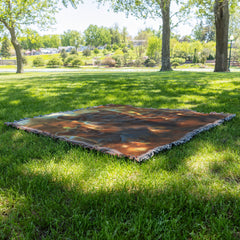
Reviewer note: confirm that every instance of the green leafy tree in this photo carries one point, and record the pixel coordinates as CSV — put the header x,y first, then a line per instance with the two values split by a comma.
x,y
16,15
124,35
154,48
5,49
63,54
144,9
205,32
72,38
23,42
74,3
234,26
144,34
115,35
46,41
51,41
86,52
220,10
97,36
181,50
74,52
33,39
96,51
55,41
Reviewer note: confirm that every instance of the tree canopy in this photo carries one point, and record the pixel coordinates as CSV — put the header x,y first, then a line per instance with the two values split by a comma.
x,y
5,49
71,38
97,36
22,13
234,25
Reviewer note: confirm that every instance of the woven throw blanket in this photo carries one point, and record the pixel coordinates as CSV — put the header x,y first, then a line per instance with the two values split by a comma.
x,y
122,130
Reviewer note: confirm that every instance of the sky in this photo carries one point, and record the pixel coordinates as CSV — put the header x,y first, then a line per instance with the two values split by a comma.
x,y
88,13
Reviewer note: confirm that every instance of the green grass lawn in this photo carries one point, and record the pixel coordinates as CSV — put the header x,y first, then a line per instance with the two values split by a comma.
x,y
53,190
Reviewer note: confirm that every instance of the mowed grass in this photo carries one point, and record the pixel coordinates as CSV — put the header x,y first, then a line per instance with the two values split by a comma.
x,y
53,190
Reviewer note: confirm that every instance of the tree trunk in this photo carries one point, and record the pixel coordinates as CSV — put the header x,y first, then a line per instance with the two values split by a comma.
x,y
221,12
165,8
17,48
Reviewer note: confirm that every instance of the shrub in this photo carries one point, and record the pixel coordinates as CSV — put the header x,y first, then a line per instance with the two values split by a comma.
x,y
125,50
126,59
97,62
96,50
138,62
63,54
38,62
131,46
115,46
195,56
76,62
150,62
178,60
195,59
180,54
236,54
105,52
73,61
130,63
154,48
74,51
109,61
211,57
118,52
86,52
54,62
119,60
68,60
203,59
122,45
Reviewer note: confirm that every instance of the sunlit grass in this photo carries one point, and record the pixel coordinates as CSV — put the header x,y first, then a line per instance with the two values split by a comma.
x,y
53,190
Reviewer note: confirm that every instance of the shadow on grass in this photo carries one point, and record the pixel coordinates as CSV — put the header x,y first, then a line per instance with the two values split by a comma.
x,y
70,91
48,207
112,198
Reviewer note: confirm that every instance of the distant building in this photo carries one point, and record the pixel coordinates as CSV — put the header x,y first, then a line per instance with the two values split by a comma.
x,y
82,48
48,50
67,48
102,47
33,52
137,43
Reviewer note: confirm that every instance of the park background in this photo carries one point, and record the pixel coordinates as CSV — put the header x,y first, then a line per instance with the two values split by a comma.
x,y
95,36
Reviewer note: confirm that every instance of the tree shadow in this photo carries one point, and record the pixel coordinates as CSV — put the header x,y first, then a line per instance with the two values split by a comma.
x,y
50,209
71,91
162,198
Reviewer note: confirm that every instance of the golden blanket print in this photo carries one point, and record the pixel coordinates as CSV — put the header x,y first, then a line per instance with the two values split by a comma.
x,y
123,130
